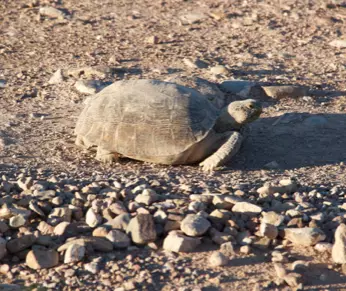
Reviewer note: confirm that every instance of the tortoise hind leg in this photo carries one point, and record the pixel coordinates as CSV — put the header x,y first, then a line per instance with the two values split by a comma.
x,y
83,142
106,156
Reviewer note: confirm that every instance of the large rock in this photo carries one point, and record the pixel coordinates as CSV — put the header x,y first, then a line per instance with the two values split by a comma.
x,y
142,229
3,250
97,243
180,243
93,219
307,236
195,225
18,244
41,259
247,208
118,238
339,247
74,253
120,222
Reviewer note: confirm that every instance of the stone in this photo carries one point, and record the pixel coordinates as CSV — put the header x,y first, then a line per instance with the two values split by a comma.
x,y
176,242
194,225
280,270
307,236
56,78
293,279
66,229
17,221
235,86
219,70
87,86
119,239
97,243
93,219
147,197
120,222
52,12
247,208
18,244
227,249
60,214
3,250
74,253
338,43
281,91
192,17
45,228
218,259
42,259
220,237
339,247
100,231
273,218
25,183
323,247
300,266
268,230
142,229
92,267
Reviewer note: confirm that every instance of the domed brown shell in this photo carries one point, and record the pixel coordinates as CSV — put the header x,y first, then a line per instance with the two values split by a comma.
x,y
141,119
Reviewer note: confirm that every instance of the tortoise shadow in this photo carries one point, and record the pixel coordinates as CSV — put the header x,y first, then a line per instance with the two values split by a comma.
x,y
294,140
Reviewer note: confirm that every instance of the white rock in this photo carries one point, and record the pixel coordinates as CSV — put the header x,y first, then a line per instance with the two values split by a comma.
x,y
192,17
147,197
339,247
247,208
52,12
93,219
324,247
269,230
219,70
180,243
56,78
74,253
307,236
339,43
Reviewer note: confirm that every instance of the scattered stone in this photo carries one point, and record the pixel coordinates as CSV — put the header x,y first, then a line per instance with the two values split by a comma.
x,y
56,78
74,253
339,247
235,86
52,12
278,92
119,239
147,197
280,270
176,242
218,259
92,219
324,247
338,43
269,230
42,259
247,208
245,250
227,249
96,243
100,231
17,221
93,267
192,17
300,266
142,229
152,39
307,236
25,183
273,218
87,86
194,225
219,70
293,279
120,222
18,244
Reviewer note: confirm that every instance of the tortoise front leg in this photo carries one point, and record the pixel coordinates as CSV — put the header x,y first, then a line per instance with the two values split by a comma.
x,y
225,152
106,156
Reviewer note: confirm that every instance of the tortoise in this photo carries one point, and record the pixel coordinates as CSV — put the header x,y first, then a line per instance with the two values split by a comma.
x,y
162,122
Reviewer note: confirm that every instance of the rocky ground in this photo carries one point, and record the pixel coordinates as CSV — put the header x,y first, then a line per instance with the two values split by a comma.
x,y
271,220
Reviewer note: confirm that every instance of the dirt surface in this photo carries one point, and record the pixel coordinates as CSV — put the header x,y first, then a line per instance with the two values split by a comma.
x,y
268,42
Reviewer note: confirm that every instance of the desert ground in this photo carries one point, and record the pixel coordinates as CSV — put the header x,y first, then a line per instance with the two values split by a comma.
x,y
58,203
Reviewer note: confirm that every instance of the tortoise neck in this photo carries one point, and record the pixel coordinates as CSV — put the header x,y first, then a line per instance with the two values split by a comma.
x,y
225,122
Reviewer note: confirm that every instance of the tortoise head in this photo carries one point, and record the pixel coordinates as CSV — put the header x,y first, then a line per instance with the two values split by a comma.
x,y
245,111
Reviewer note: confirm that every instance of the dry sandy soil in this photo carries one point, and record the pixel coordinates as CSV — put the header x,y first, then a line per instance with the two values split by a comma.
x,y
269,42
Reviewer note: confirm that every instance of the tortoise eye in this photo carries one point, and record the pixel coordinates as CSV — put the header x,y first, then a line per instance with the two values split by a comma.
x,y
251,105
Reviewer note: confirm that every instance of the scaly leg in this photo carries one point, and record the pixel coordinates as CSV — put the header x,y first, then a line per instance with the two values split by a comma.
x,y
224,153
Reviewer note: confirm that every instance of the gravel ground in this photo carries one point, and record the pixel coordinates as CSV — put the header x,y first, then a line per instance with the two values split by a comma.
x,y
266,221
